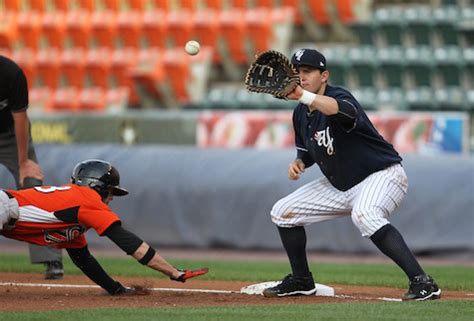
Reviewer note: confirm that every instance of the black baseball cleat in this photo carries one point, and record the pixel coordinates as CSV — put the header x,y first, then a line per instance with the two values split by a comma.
x,y
292,286
54,270
422,288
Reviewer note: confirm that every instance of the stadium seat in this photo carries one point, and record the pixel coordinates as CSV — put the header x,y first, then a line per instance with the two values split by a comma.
x,y
13,5
390,26
320,11
180,27
89,5
391,66
54,30
450,98
362,66
154,28
65,99
420,99
445,19
346,11
419,66
419,27
296,5
117,98
48,67
78,29
176,66
104,28
129,25
366,96
338,64
233,35
468,71
206,29
40,98
73,67
391,99
449,64
92,99
8,30
465,27
364,32
259,24
122,61
29,29
98,67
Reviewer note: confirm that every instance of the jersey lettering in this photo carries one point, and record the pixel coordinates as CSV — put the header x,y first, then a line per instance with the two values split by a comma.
x,y
323,138
50,189
63,235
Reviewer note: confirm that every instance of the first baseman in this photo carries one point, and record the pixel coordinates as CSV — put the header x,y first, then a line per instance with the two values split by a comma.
x,y
60,215
362,178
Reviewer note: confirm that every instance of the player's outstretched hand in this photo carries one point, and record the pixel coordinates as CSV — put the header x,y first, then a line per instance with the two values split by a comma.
x,y
188,274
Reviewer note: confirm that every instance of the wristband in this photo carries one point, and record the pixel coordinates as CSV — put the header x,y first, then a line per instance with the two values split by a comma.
x,y
307,98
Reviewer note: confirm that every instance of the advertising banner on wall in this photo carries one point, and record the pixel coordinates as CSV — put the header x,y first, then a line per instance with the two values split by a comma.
x,y
423,133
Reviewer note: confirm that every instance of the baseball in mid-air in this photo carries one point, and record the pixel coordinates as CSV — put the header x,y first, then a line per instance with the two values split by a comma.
x,y
192,47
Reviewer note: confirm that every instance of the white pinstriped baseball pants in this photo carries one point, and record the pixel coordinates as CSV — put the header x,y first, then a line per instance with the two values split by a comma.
x,y
369,203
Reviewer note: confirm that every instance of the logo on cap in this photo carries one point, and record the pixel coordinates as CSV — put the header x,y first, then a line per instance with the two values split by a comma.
x,y
321,64
299,54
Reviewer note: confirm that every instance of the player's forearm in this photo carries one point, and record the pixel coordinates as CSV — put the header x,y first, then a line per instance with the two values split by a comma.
x,y
324,104
147,256
21,135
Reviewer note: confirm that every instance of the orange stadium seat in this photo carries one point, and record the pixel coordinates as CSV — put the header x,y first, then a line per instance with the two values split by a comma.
x,y
78,28
64,99
73,67
139,5
122,61
89,5
129,28
215,4
48,67
92,99
113,5
38,5
8,30
104,28
265,3
180,26
40,98
162,4
259,25
345,9
176,63
294,4
54,29
98,67
66,5
29,27
233,33
154,28
206,29
319,10
190,5
26,59
242,4
13,5
148,73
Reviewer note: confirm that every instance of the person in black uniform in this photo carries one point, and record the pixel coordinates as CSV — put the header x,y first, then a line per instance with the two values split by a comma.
x,y
17,153
362,177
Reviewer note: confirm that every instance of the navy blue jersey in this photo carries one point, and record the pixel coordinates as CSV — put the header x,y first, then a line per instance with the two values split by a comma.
x,y
346,148
13,93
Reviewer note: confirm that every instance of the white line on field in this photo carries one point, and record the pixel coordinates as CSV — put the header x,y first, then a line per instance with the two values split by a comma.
x,y
46,285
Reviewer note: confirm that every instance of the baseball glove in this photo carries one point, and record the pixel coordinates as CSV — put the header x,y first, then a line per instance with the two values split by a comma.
x,y
188,274
272,73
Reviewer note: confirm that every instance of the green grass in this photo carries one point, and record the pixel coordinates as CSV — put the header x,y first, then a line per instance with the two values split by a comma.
x,y
449,278
396,311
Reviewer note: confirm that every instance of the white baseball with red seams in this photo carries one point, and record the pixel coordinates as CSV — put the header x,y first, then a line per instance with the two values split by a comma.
x,y
192,47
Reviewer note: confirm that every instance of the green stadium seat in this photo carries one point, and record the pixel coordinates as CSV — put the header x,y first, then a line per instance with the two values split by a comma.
x,y
449,64
419,66
221,98
445,19
338,64
391,99
470,100
419,25
364,32
390,25
366,96
450,98
362,66
468,71
391,66
465,27
250,100
420,98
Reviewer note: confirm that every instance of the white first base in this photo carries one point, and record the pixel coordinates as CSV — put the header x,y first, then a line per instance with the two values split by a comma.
x,y
321,289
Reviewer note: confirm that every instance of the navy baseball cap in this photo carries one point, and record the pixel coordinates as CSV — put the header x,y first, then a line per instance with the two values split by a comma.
x,y
309,57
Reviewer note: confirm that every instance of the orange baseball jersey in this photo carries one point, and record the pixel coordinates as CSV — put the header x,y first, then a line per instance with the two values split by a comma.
x,y
59,215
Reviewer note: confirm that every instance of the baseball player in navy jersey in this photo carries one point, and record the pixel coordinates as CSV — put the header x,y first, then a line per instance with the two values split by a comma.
x,y
362,178
17,153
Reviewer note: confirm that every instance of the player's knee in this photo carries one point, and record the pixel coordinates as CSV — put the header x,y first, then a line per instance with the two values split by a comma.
x,y
367,223
280,213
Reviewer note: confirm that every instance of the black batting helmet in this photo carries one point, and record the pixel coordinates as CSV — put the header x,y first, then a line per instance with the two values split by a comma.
x,y
98,175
